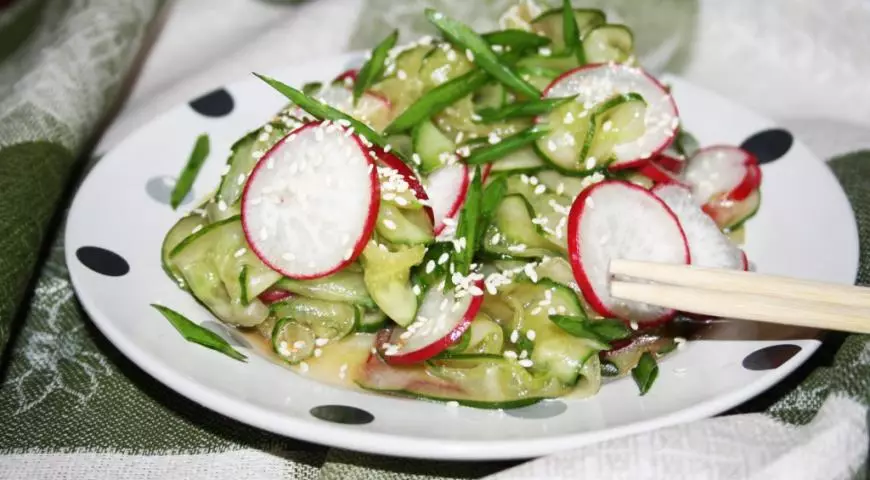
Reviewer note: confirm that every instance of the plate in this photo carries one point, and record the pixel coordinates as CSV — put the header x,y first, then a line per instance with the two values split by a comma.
x,y
805,229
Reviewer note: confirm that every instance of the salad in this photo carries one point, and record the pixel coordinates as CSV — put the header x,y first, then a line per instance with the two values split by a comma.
x,y
439,224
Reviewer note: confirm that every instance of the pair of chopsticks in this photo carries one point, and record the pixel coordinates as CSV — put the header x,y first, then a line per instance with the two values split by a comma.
x,y
743,295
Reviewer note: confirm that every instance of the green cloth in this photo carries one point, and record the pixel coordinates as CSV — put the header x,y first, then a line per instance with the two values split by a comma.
x,y
66,389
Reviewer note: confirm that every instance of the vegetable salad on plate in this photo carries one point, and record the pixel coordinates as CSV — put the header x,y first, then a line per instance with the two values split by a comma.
x,y
439,224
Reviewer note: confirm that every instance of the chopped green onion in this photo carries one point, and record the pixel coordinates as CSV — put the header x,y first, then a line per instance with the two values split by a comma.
x,y
522,109
243,282
645,372
462,35
515,39
492,197
508,145
609,329
371,71
199,335
311,88
601,331
524,344
686,143
570,32
426,280
190,171
437,99
469,223
321,111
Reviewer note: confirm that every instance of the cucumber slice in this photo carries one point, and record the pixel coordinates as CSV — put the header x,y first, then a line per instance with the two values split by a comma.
x,y
484,336
244,154
557,63
328,320
550,209
731,215
555,352
433,147
549,24
405,227
292,341
492,95
201,268
182,229
403,84
480,381
581,139
609,43
402,144
512,232
523,160
540,77
442,64
566,185
386,275
343,286
371,321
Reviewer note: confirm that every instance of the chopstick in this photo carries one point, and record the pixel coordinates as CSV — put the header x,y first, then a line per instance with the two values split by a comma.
x,y
744,295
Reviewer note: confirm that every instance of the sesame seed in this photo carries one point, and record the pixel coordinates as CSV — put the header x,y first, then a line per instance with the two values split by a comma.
x,y
540,189
443,258
531,335
318,352
321,341
469,55
391,225
510,354
526,363
430,266
515,336
633,325
453,404
303,367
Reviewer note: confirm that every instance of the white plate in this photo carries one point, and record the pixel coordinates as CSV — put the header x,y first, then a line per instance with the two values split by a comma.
x,y
805,228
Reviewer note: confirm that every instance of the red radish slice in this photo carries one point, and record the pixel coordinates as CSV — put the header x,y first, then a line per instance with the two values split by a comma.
x,y
372,109
391,161
708,246
671,163
347,77
447,188
745,260
310,204
274,295
722,169
441,320
617,219
599,82
658,175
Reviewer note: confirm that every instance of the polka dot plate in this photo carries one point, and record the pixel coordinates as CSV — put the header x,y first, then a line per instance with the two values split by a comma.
x,y
805,228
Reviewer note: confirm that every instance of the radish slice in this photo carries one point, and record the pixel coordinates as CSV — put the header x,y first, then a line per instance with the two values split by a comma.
x,y
391,161
447,188
372,109
659,175
599,82
671,163
745,260
310,204
273,295
708,246
722,169
616,219
441,320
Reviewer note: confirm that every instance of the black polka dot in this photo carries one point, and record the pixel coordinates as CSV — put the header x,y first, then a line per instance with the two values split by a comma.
x,y
342,414
160,189
103,261
768,145
769,358
540,410
214,104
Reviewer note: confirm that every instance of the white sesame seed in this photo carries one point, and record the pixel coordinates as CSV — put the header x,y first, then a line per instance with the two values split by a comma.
x,y
526,363
469,55
540,189
453,404
321,341
443,258
391,225
318,352
510,354
303,367
430,266
633,325
530,334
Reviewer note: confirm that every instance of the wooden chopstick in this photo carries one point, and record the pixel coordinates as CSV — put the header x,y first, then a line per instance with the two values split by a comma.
x,y
743,282
744,295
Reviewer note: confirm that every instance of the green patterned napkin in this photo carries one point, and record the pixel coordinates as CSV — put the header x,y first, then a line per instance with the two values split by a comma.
x,y
72,405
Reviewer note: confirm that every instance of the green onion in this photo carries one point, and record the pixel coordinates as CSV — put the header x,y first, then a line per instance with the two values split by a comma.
x,y
243,282
570,32
645,372
522,109
311,88
508,145
524,344
321,111
469,223
199,335
515,39
437,99
462,35
601,331
426,280
686,143
460,344
492,197
190,171
371,71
